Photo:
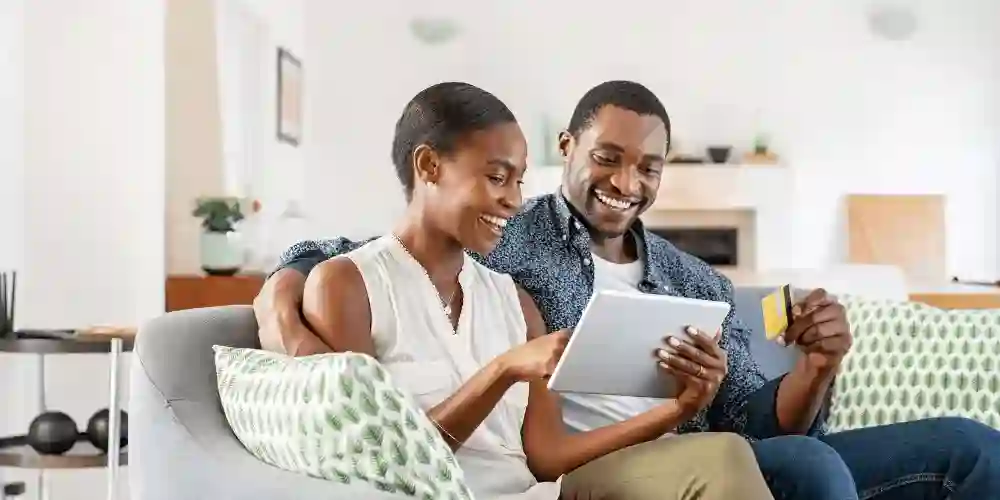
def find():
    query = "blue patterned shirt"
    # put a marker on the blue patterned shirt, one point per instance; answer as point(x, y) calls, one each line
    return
point(546, 250)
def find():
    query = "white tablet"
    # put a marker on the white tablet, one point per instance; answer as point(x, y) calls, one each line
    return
point(612, 351)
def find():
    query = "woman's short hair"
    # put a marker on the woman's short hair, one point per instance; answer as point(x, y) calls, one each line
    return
point(440, 116)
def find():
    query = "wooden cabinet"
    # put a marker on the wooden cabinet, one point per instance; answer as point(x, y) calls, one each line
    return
point(194, 291)
point(958, 296)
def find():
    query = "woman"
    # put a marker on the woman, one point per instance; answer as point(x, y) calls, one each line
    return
point(470, 346)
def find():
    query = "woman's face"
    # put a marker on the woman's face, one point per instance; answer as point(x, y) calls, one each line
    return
point(478, 186)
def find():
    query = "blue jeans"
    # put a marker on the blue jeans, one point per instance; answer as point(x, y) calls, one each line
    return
point(940, 458)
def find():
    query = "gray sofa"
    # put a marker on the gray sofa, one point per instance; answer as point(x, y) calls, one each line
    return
point(181, 446)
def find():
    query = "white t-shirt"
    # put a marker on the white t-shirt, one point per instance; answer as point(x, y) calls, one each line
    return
point(584, 412)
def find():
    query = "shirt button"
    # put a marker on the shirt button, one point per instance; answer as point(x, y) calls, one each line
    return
point(577, 224)
point(586, 261)
point(564, 237)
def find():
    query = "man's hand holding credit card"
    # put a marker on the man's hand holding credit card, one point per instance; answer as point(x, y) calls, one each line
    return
point(817, 324)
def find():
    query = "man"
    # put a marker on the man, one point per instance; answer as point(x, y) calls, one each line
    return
point(563, 246)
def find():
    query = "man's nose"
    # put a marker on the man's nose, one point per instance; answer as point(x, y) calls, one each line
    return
point(627, 181)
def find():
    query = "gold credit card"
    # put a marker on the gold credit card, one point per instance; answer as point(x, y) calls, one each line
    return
point(777, 309)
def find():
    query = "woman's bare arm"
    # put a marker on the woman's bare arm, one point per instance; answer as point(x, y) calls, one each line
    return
point(551, 450)
point(336, 304)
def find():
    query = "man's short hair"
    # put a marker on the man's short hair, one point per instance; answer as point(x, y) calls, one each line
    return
point(619, 93)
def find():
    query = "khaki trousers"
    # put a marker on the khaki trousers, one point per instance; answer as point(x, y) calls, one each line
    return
point(704, 466)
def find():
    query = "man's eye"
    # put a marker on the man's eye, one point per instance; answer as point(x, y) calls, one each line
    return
point(497, 179)
point(604, 159)
point(651, 171)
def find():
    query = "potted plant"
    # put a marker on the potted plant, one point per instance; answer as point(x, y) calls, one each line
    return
point(221, 251)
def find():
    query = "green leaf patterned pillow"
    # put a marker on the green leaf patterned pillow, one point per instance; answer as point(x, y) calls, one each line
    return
point(336, 417)
point(912, 361)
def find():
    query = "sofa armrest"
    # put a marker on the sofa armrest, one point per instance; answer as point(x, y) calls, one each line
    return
point(185, 449)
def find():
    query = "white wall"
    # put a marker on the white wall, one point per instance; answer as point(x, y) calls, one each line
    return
point(202, 158)
point(11, 130)
point(263, 167)
point(193, 125)
point(93, 208)
point(11, 173)
point(850, 112)
point(281, 179)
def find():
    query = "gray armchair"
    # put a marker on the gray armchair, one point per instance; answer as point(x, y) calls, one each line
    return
point(180, 444)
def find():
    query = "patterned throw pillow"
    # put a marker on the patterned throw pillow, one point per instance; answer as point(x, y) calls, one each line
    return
point(912, 361)
point(336, 417)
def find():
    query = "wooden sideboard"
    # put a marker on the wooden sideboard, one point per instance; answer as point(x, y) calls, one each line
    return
point(194, 291)
point(957, 296)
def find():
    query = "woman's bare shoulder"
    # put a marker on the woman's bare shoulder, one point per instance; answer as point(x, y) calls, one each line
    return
point(338, 273)
point(335, 304)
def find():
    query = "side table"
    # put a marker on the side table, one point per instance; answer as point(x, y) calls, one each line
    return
point(15, 451)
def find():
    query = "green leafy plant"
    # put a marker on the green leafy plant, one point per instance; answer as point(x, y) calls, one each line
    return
point(760, 144)
point(218, 215)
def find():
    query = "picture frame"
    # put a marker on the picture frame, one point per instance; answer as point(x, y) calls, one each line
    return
point(289, 98)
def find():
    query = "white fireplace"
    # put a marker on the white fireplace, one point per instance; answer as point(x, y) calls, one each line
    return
point(743, 206)
point(726, 239)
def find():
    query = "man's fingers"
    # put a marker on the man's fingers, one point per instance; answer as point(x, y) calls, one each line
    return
point(814, 299)
point(818, 332)
point(829, 312)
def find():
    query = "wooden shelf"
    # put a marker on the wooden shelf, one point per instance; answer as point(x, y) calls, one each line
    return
point(15, 452)
point(197, 291)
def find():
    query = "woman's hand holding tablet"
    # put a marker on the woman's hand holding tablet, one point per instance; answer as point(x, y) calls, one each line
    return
point(698, 365)
point(617, 349)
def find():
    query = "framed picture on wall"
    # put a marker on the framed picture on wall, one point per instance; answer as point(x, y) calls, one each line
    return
point(289, 96)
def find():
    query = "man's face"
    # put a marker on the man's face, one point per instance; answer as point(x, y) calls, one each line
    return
point(613, 168)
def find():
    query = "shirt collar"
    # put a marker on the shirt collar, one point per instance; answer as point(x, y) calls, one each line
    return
point(570, 225)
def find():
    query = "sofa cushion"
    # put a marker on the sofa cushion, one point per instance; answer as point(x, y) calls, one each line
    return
point(911, 361)
point(335, 416)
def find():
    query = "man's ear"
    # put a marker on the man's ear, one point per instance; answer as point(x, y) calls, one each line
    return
point(426, 164)
point(566, 144)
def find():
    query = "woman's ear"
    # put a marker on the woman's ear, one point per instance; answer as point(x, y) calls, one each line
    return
point(566, 144)
point(426, 164)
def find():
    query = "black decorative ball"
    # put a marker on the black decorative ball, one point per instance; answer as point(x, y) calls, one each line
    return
point(52, 433)
point(97, 429)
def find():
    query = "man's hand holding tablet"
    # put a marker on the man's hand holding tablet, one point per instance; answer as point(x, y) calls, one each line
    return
point(699, 366)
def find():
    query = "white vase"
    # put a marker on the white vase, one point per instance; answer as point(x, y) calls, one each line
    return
point(221, 253)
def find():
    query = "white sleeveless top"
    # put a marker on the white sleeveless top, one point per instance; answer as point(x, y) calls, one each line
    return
point(416, 343)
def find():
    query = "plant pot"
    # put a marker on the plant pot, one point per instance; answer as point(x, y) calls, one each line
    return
point(221, 253)
point(719, 154)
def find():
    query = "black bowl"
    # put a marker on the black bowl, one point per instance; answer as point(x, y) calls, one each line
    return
point(719, 154)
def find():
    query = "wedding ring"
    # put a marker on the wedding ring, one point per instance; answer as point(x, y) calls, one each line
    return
point(701, 372)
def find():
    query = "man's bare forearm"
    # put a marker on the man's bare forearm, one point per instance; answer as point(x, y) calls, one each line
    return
point(278, 311)
point(801, 396)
